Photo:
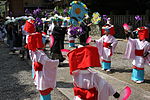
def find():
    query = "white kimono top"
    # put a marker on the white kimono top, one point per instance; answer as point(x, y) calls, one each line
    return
point(106, 53)
point(47, 77)
point(87, 79)
point(50, 29)
point(136, 44)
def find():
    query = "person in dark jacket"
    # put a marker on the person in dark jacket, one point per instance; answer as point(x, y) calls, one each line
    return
point(86, 28)
point(58, 35)
point(9, 29)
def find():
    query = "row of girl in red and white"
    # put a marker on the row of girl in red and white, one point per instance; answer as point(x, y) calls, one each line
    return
point(106, 46)
point(137, 49)
point(42, 66)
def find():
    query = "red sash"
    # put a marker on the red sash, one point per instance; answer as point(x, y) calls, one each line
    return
point(38, 66)
point(105, 44)
point(86, 94)
point(106, 61)
point(139, 52)
point(46, 92)
point(71, 41)
point(134, 67)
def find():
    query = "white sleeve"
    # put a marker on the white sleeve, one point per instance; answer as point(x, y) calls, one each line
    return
point(115, 42)
point(50, 29)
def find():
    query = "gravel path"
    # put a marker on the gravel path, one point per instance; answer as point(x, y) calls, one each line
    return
point(15, 79)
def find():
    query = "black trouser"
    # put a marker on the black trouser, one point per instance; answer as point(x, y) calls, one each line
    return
point(56, 51)
point(83, 39)
point(24, 52)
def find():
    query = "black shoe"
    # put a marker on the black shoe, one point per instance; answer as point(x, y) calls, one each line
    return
point(116, 95)
point(12, 52)
point(62, 59)
point(60, 65)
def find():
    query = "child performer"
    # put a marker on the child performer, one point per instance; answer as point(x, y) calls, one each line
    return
point(138, 50)
point(71, 37)
point(106, 46)
point(88, 84)
point(43, 69)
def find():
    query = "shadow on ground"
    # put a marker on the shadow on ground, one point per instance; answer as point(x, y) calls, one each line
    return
point(65, 64)
point(118, 53)
point(147, 81)
point(121, 70)
point(61, 84)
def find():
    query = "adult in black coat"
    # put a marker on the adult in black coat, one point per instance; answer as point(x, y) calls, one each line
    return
point(86, 29)
point(58, 35)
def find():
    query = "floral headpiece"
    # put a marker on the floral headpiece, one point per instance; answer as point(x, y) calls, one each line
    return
point(76, 30)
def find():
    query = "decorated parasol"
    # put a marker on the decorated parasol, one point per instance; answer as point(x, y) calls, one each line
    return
point(96, 18)
point(76, 31)
point(51, 41)
point(64, 52)
point(125, 93)
point(89, 39)
point(138, 18)
point(77, 12)
point(126, 26)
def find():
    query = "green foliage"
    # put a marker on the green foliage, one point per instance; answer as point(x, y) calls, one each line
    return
point(59, 9)
point(2, 9)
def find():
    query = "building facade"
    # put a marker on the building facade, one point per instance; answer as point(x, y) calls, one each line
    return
point(17, 7)
point(108, 7)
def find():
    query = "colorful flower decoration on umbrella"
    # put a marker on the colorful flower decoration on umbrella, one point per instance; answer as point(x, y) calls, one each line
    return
point(37, 12)
point(38, 22)
point(55, 12)
point(47, 15)
point(65, 11)
point(138, 18)
point(27, 12)
point(76, 30)
point(77, 12)
point(10, 13)
point(105, 17)
point(96, 18)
